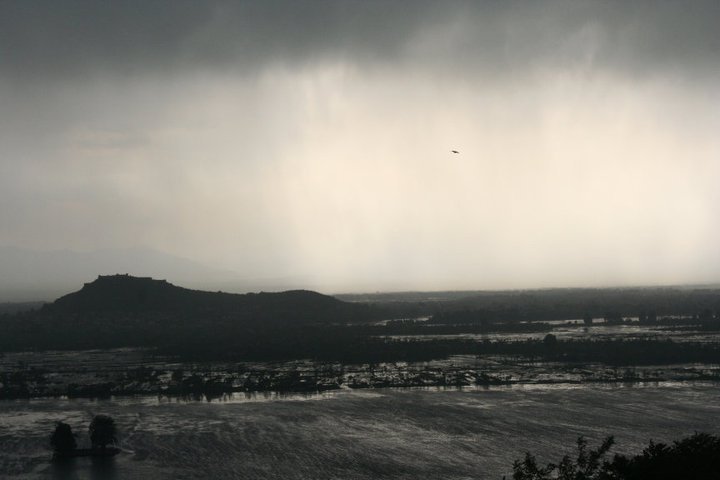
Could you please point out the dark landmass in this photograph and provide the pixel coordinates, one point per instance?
(125, 311)
(126, 294)
(501, 337)
(553, 304)
(121, 310)
(566, 304)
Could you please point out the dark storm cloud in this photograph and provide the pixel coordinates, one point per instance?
(44, 40)
(312, 139)
(61, 37)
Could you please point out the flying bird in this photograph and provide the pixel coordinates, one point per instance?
(454, 151)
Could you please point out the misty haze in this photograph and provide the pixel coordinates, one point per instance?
(360, 239)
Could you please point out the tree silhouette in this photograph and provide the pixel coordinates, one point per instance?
(693, 458)
(587, 466)
(550, 340)
(62, 439)
(102, 431)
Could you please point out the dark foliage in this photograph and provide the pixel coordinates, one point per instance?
(566, 304)
(63, 440)
(586, 466)
(102, 431)
(693, 458)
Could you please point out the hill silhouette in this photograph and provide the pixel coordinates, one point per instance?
(32, 275)
(126, 293)
(123, 310)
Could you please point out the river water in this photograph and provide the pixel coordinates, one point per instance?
(360, 434)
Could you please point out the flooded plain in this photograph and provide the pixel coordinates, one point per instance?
(471, 433)
(509, 405)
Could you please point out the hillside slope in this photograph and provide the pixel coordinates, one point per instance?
(122, 310)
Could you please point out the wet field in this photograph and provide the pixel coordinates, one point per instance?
(127, 371)
(575, 330)
(359, 434)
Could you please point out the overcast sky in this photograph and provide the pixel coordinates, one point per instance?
(312, 139)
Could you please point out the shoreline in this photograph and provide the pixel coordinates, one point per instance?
(233, 395)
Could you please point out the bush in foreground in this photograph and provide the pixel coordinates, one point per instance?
(102, 431)
(693, 458)
(63, 440)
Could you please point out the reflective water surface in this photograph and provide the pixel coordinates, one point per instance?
(366, 434)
